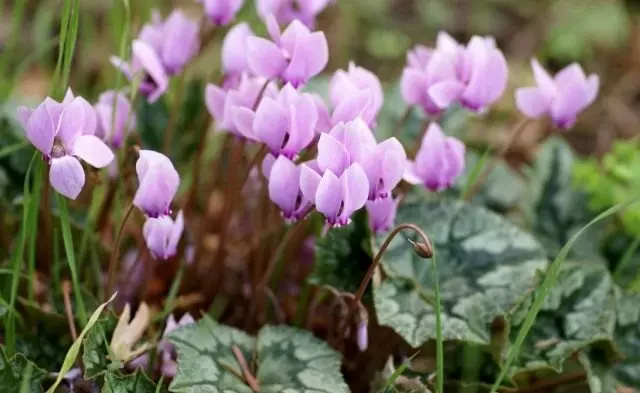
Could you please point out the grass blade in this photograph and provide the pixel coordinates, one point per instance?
(397, 373)
(6, 151)
(67, 240)
(549, 281)
(72, 354)
(475, 173)
(32, 225)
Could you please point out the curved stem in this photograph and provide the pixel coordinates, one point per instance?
(114, 255)
(376, 260)
(439, 341)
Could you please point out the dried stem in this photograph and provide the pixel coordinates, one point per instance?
(515, 133)
(66, 296)
(423, 245)
(246, 373)
(115, 253)
(264, 282)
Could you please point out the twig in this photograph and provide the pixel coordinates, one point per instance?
(114, 255)
(248, 377)
(280, 314)
(66, 291)
(545, 385)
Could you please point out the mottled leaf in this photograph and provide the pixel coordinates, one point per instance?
(627, 339)
(287, 360)
(135, 383)
(95, 347)
(13, 370)
(486, 267)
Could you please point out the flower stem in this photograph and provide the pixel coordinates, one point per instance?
(115, 253)
(67, 240)
(439, 343)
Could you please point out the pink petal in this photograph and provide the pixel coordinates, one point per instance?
(309, 58)
(214, 98)
(445, 93)
(153, 66)
(176, 232)
(593, 84)
(234, 53)
(488, 81)
(355, 190)
(93, 151)
(304, 118)
(243, 120)
(332, 155)
(413, 86)
(543, 79)
(532, 101)
(40, 129)
(309, 181)
(284, 184)
(72, 121)
(67, 176)
(410, 174)
(271, 124)
(264, 57)
(329, 196)
(352, 107)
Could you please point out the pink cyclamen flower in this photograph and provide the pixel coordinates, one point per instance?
(115, 118)
(221, 12)
(64, 133)
(382, 214)
(439, 161)
(383, 163)
(234, 53)
(355, 92)
(561, 97)
(286, 123)
(158, 183)
(285, 189)
(336, 197)
(480, 74)
(425, 67)
(162, 49)
(295, 56)
(286, 11)
(162, 235)
(221, 103)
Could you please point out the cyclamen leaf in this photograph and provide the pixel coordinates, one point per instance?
(136, 383)
(288, 360)
(486, 267)
(95, 347)
(13, 370)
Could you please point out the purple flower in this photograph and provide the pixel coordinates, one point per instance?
(324, 118)
(162, 49)
(295, 56)
(286, 11)
(221, 12)
(355, 92)
(64, 133)
(285, 189)
(286, 123)
(382, 214)
(561, 97)
(344, 145)
(439, 161)
(385, 167)
(112, 120)
(158, 183)
(363, 336)
(425, 67)
(234, 53)
(162, 235)
(336, 197)
(222, 103)
(480, 73)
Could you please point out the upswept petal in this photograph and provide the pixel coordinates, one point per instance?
(67, 176)
(92, 150)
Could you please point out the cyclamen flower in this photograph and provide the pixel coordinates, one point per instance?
(234, 54)
(480, 74)
(114, 122)
(221, 103)
(439, 161)
(128, 331)
(561, 97)
(285, 189)
(425, 67)
(162, 235)
(382, 214)
(64, 133)
(295, 56)
(356, 92)
(286, 11)
(286, 123)
(162, 49)
(336, 197)
(221, 12)
(158, 183)
(383, 163)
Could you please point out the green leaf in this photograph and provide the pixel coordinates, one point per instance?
(578, 312)
(95, 347)
(343, 256)
(627, 339)
(287, 360)
(12, 372)
(486, 266)
(555, 208)
(135, 383)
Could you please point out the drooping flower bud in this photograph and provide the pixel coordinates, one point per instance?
(285, 189)
(439, 161)
(162, 235)
(562, 97)
(158, 183)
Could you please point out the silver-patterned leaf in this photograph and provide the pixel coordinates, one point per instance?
(486, 267)
(287, 360)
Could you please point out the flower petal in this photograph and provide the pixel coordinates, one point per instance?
(284, 186)
(355, 190)
(67, 176)
(543, 79)
(329, 196)
(532, 101)
(309, 181)
(214, 98)
(264, 58)
(271, 124)
(243, 120)
(445, 93)
(332, 155)
(310, 56)
(72, 122)
(93, 151)
(40, 129)
(151, 63)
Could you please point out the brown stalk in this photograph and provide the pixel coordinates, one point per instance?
(114, 255)
(66, 296)
(246, 373)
